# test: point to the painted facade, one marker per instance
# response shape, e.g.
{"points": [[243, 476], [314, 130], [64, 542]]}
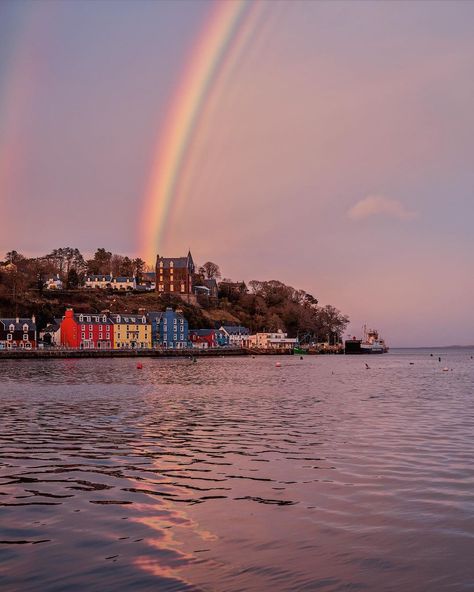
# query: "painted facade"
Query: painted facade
{"points": [[18, 333], [169, 329], [278, 340], [87, 331], [203, 338], [236, 334], [131, 331]]}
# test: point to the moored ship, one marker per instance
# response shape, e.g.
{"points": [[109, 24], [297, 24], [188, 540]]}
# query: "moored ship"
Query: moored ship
{"points": [[370, 344]]}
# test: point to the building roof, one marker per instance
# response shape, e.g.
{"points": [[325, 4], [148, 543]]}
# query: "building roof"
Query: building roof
{"points": [[178, 262], [202, 332], [127, 319], [123, 279], [91, 318], [18, 324], [98, 278], [235, 330], [211, 284]]}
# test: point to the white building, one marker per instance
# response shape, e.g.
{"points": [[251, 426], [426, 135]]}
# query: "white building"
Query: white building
{"points": [[109, 281], [236, 334], [278, 340], [53, 283], [51, 334]]}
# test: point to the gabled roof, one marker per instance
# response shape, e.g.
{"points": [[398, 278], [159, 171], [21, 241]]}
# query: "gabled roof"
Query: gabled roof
{"points": [[98, 278], [235, 330], [19, 326], [128, 319], [95, 318], [202, 332], [178, 262]]}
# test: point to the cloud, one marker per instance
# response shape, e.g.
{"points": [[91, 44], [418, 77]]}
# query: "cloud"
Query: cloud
{"points": [[373, 205]]}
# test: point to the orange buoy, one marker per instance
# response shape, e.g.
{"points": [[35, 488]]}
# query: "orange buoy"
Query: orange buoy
{"points": [[139, 366], [278, 365]]}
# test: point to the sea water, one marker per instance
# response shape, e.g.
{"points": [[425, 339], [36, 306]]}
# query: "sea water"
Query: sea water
{"points": [[235, 475]]}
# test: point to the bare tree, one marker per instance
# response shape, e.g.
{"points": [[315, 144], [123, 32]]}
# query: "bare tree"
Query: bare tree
{"points": [[210, 270]]}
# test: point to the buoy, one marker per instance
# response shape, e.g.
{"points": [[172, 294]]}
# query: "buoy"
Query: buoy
{"points": [[139, 366], [278, 365], [367, 367], [445, 369], [301, 357]]}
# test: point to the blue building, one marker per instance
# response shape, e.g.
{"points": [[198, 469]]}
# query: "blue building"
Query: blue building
{"points": [[169, 329]]}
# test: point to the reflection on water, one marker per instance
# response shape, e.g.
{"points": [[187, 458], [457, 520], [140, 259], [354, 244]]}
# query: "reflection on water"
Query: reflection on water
{"points": [[232, 474]]}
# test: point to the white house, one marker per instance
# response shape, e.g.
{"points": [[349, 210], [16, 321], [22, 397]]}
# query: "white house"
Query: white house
{"points": [[109, 281], [98, 281], [278, 340], [235, 334], [53, 283], [51, 334]]}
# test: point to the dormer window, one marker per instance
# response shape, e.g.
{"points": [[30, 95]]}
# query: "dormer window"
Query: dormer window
{"points": [[171, 264], [88, 319], [11, 327], [143, 319], [118, 319], [104, 319], [161, 263], [25, 328]]}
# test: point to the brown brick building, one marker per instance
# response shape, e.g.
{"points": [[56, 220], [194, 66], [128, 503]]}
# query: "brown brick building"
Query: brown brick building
{"points": [[174, 275]]}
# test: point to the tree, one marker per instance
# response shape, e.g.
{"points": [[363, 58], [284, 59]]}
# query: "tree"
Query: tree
{"points": [[13, 257], [100, 263], [72, 281], [139, 268], [210, 270], [126, 268]]}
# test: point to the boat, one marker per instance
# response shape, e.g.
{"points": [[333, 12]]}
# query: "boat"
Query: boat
{"points": [[370, 344]]}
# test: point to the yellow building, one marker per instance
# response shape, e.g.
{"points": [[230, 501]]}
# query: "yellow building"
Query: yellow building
{"points": [[131, 331]]}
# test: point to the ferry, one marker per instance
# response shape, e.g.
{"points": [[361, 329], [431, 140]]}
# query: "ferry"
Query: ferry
{"points": [[370, 344]]}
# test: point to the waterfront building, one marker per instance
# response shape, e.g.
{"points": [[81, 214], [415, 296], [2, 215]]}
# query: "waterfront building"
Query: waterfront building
{"points": [[131, 331], [174, 275], [236, 334], [18, 333], [51, 334], [169, 329], [203, 338], [87, 330], [278, 340]]}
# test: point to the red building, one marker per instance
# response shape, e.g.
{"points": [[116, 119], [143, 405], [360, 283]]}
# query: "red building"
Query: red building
{"points": [[87, 331], [203, 338]]}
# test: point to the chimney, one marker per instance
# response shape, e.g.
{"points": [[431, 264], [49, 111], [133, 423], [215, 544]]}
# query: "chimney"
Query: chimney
{"points": [[33, 319], [17, 320]]}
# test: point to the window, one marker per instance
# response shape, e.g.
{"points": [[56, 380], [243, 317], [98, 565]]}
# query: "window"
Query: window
{"points": [[100, 327], [25, 328], [171, 288], [104, 319], [174, 321], [83, 335], [171, 264], [81, 318], [25, 337], [161, 263], [9, 337], [100, 336], [11, 327], [91, 327], [88, 319]]}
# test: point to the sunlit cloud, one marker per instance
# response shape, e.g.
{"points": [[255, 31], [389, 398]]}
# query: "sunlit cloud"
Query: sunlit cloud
{"points": [[374, 205]]}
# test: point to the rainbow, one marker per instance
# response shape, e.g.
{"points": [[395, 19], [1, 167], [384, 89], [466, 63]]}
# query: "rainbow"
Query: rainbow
{"points": [[217, 51]]}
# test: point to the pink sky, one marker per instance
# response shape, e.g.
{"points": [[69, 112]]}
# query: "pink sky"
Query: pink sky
{"points": [[337, 157]]}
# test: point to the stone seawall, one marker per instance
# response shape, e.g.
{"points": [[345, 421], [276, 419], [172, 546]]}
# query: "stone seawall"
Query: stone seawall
{"points": [[41, 354]]}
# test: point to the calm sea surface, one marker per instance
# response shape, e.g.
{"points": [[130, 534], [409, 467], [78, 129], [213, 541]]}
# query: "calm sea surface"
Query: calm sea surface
{"points": [[234, 475]]}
